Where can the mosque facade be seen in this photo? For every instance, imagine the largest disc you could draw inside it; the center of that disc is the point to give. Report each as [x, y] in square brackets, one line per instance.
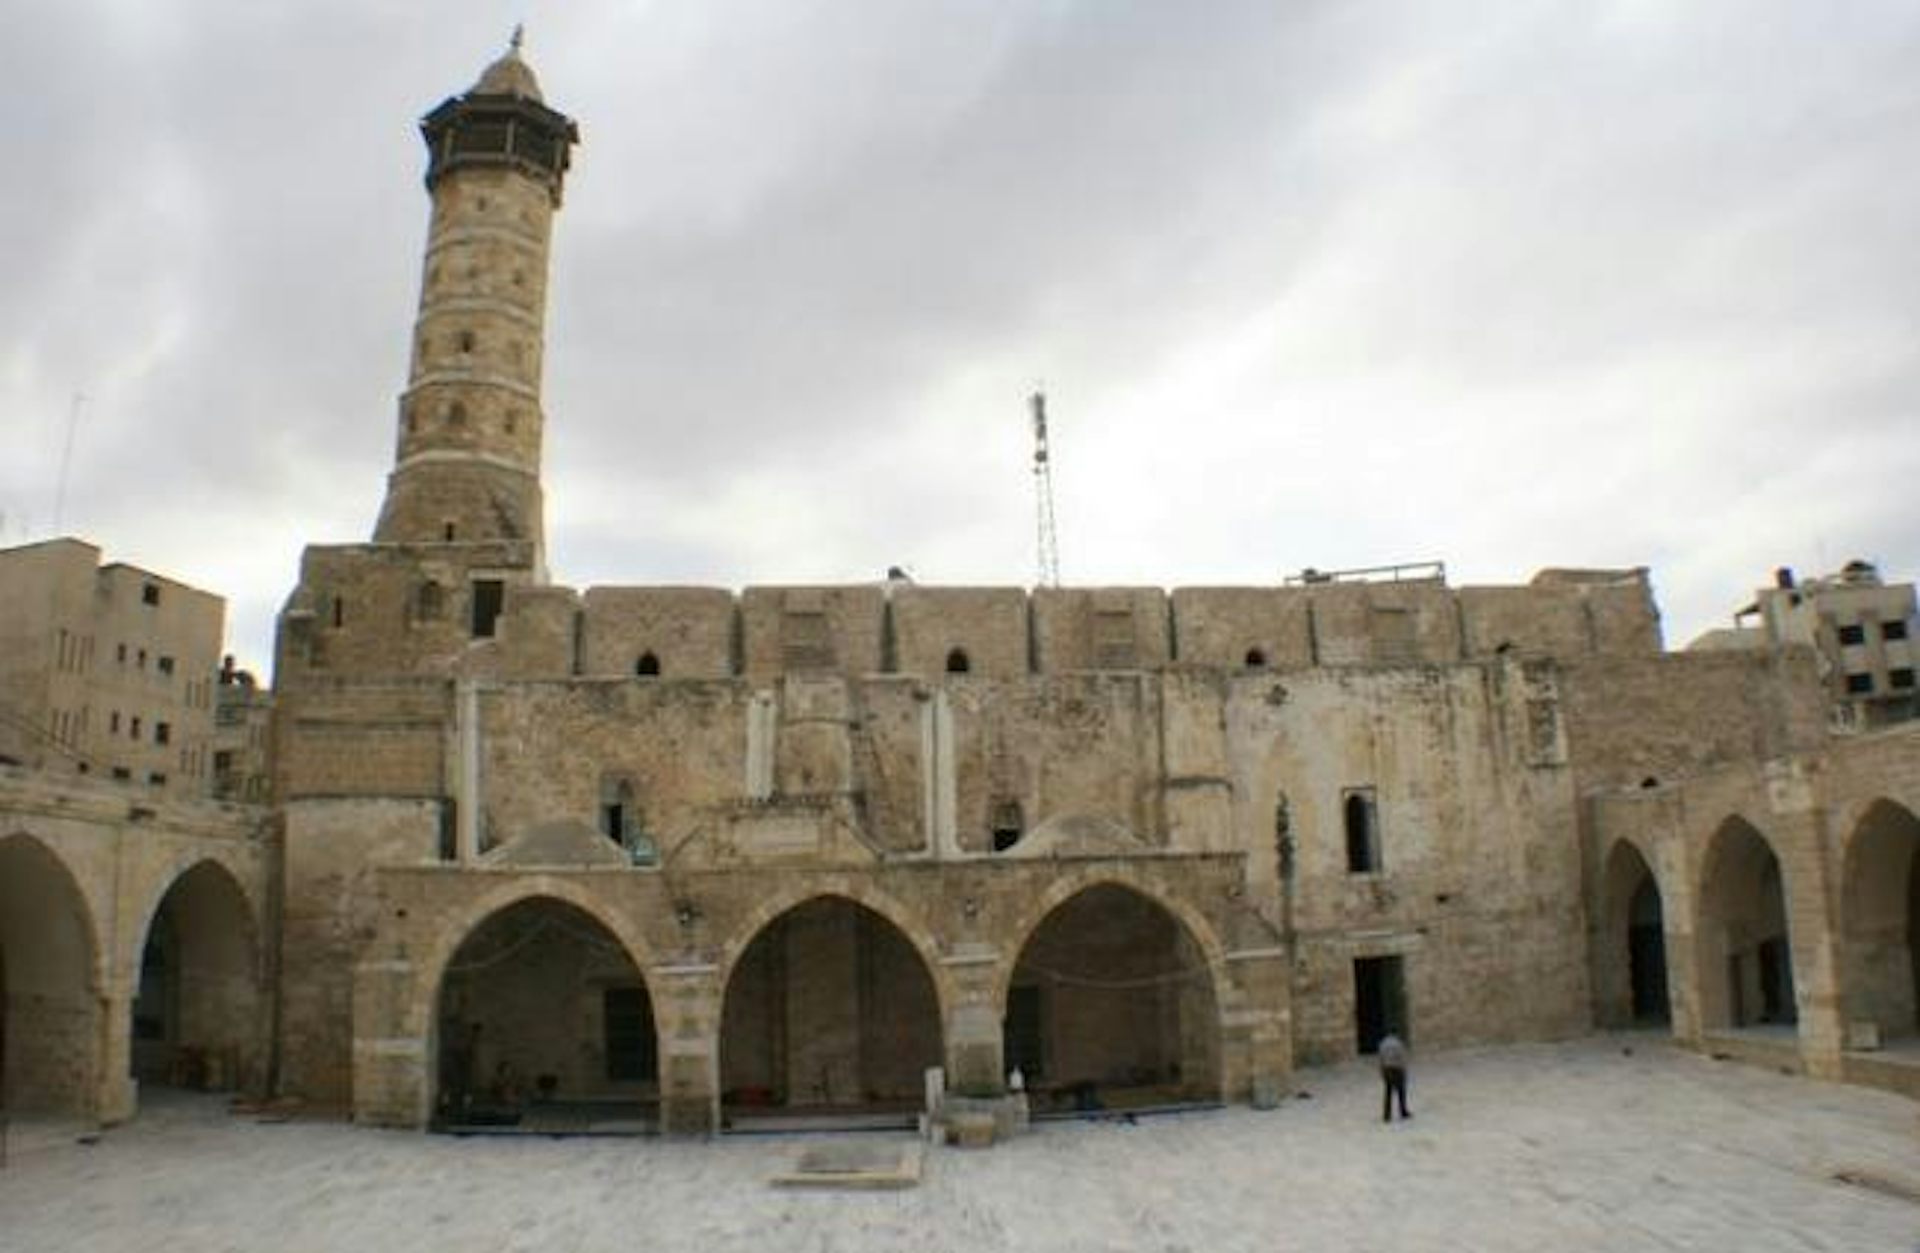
[697, 857]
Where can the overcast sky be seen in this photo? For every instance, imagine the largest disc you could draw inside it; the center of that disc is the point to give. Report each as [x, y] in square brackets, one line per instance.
[1507, 285]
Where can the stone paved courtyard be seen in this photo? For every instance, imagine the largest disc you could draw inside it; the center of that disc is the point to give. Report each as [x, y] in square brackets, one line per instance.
[1615, 1143]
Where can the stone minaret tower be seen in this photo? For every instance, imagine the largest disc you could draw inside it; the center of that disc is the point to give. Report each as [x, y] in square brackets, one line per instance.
[467, 466]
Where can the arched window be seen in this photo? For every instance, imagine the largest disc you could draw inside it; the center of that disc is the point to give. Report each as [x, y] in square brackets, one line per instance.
[1363, 834]
[1256, 659]
[648, 666]
[466, 341]
[958, 662]
[618, 819]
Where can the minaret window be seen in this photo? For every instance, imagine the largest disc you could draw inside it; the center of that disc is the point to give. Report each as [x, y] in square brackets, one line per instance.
[647, 667]
[958, 662]
[456, 414]
[489, 597]
[466, 341]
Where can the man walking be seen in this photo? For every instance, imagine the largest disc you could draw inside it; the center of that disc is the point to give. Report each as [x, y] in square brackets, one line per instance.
[1393, 1075]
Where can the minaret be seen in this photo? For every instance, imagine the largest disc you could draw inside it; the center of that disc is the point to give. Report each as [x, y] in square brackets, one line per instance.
[467, 464]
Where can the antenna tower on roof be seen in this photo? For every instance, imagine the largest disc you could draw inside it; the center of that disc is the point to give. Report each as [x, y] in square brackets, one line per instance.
[1049, 555]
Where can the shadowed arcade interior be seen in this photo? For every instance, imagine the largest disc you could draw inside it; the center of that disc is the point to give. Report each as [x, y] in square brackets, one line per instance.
[830, 1015]
[197, 1005]
[545, 1025]
[1746, 951]
[49, 1012]
[1632, 946]
[1880, 954]
[1112, 1006]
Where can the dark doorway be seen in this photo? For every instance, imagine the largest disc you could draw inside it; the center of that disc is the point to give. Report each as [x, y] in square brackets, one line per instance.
[1379, 1000]
[1021, 1041]
[1647, 955]
[1776, 981]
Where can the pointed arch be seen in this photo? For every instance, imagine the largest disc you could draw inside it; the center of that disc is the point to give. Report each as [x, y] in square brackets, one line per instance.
[1745, 940]
[1880, 920]
[829, 1001]
[1114, 997]
[1632, 979]
[196, 1009]
[541, 1012]
[49, 982]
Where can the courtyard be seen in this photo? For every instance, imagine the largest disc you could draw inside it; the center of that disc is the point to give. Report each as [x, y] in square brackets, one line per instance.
[1617, 1142]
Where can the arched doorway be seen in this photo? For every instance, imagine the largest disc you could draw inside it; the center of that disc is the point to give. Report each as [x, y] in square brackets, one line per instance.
[1633, 978]
[1880, 921]
[1746, 947]
[196, 1008]
[49, 1014]
[544, 1024]
[830, 1013]
[1111, 1005]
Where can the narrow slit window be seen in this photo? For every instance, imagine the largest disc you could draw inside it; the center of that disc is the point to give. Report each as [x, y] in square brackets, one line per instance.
[1363, 832]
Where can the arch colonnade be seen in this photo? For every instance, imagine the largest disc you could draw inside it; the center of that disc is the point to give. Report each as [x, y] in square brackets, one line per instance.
[1758, 920]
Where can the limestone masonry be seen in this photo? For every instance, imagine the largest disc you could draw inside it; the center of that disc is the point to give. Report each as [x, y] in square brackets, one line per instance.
[684, 858]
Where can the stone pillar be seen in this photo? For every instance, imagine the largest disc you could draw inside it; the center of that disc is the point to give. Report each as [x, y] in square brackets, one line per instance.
[115, 1094]
[394, 1037]
[687, 1007]
[1811, 929]
[975, 1040]
[1253, 1005]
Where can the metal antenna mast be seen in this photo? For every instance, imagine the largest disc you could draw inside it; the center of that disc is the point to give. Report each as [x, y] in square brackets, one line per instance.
[1049, 559]
[66, 462]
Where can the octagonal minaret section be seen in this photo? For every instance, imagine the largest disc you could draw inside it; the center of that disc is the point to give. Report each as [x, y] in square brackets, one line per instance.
[467, 464]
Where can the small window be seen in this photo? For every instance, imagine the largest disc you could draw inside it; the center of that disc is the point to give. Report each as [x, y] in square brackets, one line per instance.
[1901, 678]
[1895, 630]
[140, 659]
[648, 666]
[489, 597]
[120, 654]
[1256, 659]
[429, 602]
[339, 611]
[1008, 826]
[1853, 633]
[466, 341]
[958, 662]
[156, 779]
[150, 594]
[1858, 683]
[1363, 832]
[446, 532]
[122, 773]
[113, 722]
[166, 665]
[133, 728]
[456, 414]
[162, 732]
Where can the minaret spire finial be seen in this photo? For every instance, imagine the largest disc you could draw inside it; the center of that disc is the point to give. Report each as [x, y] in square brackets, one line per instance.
[519, 36]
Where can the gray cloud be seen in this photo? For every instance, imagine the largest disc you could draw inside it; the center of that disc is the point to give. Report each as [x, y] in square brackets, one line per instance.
[1310, 284]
